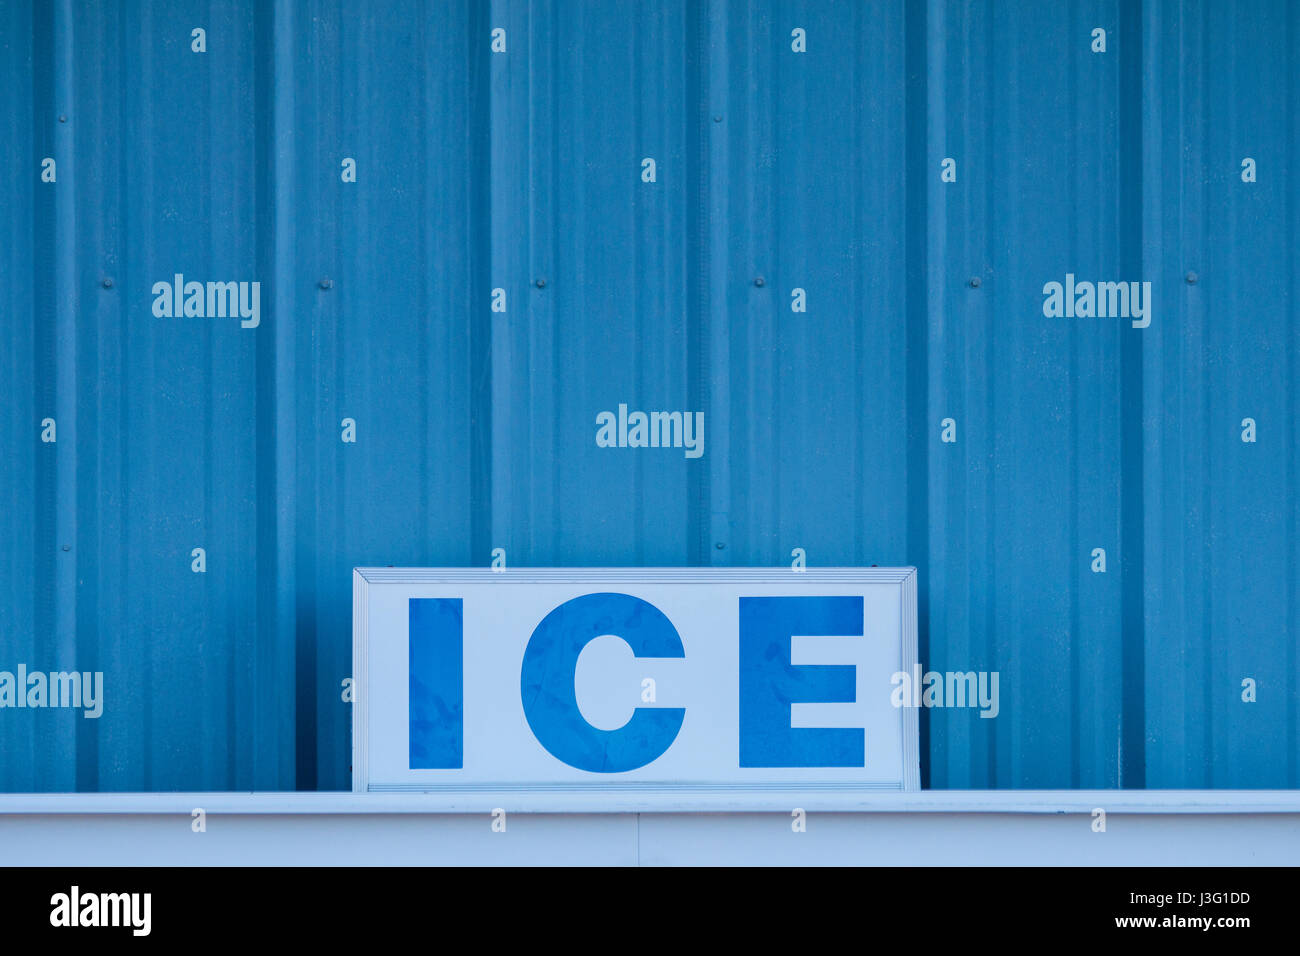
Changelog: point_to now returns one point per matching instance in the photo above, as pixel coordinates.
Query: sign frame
(615, 794)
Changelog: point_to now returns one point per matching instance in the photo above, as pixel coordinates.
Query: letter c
(550, 699)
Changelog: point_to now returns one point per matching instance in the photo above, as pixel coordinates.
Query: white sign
(670, 688)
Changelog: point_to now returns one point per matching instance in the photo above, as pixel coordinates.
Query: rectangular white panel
(653, 683)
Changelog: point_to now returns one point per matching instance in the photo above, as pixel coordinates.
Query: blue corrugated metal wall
(475, 429)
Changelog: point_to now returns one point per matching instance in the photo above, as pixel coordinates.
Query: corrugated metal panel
(775, 171)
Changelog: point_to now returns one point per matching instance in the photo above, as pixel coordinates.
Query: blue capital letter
(551, 702)
(769, 683)
(436, 711)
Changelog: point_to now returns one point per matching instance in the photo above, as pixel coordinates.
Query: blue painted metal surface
(775, 170)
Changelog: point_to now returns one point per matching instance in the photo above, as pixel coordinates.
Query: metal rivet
(62, 118)
(717, 119)
(720, 545)
(974, 282)
(108, 283)
(760, 282)
(540, 283)
(1191, 278)
(67, 547)
(327, 283)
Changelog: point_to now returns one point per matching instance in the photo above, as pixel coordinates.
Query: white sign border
(651, 797)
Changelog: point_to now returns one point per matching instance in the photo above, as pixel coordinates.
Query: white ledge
(629, 800)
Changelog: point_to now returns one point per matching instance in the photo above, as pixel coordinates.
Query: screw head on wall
(760, 282)
(1192, 278)
(107, 283)
(326, 283)
(975, 282)
(540, 283)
